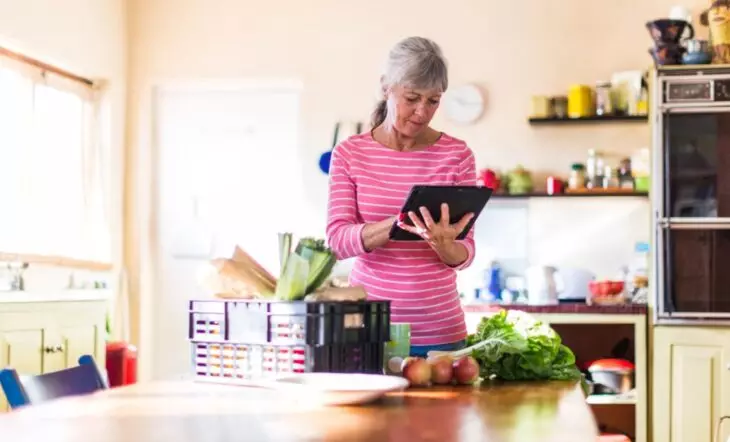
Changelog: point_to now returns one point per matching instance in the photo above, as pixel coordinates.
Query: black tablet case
(461, 200)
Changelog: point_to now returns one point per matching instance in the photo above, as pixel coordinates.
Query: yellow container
(580, 101)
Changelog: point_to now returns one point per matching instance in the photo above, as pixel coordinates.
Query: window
(52, 166)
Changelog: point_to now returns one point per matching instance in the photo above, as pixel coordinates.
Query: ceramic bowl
(697, 58)
(667, 54)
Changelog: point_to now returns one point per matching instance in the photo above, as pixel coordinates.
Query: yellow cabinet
(691, 383)
(42, 337)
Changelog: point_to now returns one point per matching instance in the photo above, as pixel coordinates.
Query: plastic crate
(238, 340)
(242, 361)
(290, 323)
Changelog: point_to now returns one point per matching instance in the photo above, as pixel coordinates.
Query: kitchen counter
(188, 411)
(61, 295)
(570, 308)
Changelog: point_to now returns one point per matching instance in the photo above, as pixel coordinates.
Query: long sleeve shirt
(369, 182)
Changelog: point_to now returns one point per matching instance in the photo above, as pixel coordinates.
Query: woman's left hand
(440, 235)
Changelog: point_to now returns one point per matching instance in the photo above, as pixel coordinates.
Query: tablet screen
(461, 200)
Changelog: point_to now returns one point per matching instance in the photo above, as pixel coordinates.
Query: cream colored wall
(88, 38)
(514, 49)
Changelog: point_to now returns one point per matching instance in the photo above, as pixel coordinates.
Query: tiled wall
(597, 234)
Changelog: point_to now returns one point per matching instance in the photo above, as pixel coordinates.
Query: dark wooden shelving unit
(591, 119)
(571, 195)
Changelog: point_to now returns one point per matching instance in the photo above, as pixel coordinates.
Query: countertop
(568, 308)
(187, 411)
(55, 295)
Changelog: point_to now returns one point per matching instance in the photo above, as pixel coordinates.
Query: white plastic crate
(246, 361)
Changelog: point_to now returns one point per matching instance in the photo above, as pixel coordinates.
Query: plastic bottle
(494, 281)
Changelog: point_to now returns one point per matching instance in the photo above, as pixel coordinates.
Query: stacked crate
(245, 339)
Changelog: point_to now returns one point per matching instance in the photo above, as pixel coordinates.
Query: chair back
(25, 390)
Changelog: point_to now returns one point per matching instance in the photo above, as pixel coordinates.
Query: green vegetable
(284, 248)
(521, 348)
(292, 283)
(298, 280)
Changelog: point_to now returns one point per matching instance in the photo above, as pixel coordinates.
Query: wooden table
(183, 411)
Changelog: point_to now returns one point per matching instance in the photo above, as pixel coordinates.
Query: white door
(226, 160)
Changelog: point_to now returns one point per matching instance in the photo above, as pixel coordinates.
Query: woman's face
(414, 109)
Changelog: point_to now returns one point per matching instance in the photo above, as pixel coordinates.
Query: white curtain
(53, 166)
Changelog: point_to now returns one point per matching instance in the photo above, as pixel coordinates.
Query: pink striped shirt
(368, 183)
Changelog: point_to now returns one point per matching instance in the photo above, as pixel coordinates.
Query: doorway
(225, 158)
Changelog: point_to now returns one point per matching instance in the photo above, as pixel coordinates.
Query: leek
(298, 280)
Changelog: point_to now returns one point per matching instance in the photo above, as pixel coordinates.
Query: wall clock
(464, 104)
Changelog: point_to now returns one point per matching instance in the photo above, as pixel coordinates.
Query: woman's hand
(441, 236)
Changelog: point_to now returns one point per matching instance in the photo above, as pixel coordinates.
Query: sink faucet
(16, 281)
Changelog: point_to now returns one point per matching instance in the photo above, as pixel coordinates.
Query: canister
(580, 101)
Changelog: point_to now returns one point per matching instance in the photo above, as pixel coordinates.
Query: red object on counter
(488, 178)
(130, 376)
(121, 363)
(607, 287)
(554, 186)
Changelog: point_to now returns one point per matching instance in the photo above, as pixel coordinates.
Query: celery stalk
(284, 249)
(292, 284)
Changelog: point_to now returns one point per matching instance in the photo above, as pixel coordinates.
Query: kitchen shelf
(570, 195)
(591, 119)
(610, 399)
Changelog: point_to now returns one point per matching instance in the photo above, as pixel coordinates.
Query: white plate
(339, 388)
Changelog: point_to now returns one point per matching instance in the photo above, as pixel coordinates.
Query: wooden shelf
(608, 399)
(591, 119)
(570, 195)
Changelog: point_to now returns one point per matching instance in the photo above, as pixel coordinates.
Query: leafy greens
(521, 348)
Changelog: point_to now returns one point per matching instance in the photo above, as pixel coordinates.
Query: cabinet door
(21, 347)
(77, 341)
(74, 334)
(691, 383)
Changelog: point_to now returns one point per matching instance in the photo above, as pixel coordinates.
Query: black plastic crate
(290, 323)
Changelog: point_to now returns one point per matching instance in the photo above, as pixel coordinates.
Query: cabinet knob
(53, 349)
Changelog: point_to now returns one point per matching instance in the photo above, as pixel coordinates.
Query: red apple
(442, 371)
(417, 371)
(466, 370)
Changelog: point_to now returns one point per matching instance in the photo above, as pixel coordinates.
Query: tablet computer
(461, 200)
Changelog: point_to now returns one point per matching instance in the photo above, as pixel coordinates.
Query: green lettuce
(521, 347)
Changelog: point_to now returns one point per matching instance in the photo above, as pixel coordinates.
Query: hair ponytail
(378, 116)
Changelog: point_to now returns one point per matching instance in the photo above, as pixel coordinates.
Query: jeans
(422, 350)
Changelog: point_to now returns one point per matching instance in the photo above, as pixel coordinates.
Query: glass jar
(604, 106)
(398, 348)
(577, 179)
(560, 106)
(610, 178)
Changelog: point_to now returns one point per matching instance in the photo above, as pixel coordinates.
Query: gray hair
(414, 62)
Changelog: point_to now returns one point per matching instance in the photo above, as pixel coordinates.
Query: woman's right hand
(377, 234)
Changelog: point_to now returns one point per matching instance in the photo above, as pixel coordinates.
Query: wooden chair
(26, 390)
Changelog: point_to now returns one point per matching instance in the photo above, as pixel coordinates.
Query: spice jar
(604, 106)
(577, 179)
(560, 106)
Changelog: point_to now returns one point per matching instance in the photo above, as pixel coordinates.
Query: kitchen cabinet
(691, 383)
(592, 332)
(42, 336)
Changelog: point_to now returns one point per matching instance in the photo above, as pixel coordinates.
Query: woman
(370, 177)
